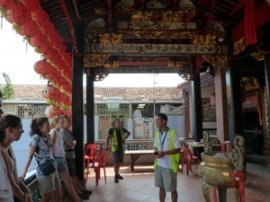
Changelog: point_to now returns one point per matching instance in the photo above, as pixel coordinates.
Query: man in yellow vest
(167, 150)
(117, 135)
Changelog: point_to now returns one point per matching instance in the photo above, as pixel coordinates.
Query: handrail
(31, 182)
(30, 178)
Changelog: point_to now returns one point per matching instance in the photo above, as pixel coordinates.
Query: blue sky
(17, 59)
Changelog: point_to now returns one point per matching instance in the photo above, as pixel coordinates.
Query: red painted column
(249, 22)
(186, 115)
(221, 104)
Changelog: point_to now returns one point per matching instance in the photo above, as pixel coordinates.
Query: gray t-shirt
(68, 136)
(43, 146)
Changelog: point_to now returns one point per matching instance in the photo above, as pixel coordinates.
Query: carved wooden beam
(156, 49)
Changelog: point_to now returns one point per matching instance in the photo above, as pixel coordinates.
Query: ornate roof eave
(155, 49)
(143, 69)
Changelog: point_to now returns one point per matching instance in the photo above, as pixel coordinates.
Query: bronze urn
(216, 170)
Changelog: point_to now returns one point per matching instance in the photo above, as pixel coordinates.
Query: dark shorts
(71, 167)
(118, 156)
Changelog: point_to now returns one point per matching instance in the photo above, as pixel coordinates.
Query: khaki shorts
(48, 183)
(165, 178)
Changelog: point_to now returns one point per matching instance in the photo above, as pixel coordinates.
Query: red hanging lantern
(69, 61)
(17, 14)
(61, 65)
(66, 57)
(53, 92)
(69, 101)
(59, 82)
(67, 88)
(52, 75)
(28, 29)
(52, 111)
(5, 3)
(67, 113)
(36, 40)
(65, 99)
(20, 15)
(45, 50)
(46, 27)
(62, 99)
(61, 48)
(40, 16)
(53, 57)
(53, 36)
(30, 5)
(42, 67)
(9, 14)
(44, 44)
(67, 73)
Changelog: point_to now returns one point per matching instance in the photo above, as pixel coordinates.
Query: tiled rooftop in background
(34, 92)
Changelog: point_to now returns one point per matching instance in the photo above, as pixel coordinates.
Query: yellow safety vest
(114, 142)
(174, 157)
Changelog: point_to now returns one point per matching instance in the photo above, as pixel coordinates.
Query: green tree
(7, 90)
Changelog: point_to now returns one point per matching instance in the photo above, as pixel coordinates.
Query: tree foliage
(7, 90)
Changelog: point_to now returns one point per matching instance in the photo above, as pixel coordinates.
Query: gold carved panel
(95, 60)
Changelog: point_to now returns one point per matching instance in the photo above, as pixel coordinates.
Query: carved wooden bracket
(95, 60)
(217, 61)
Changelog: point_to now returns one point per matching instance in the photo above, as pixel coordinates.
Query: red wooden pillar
(221, 104)
(186, 114)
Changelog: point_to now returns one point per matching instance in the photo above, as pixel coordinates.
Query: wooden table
(199, 147)
(196, 148)
(135, 154)
(195, 144)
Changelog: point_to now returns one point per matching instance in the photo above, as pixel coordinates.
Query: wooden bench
(135, 154)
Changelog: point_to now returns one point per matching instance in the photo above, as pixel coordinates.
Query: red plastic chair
(89, 154)
(188, 158)
(99, 162)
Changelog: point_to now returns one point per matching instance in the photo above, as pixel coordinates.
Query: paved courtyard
(138, 186)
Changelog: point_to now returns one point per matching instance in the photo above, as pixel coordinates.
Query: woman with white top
(59, 156)
(20, 191)
(41, 148)
(6, 193)
(10, 130)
